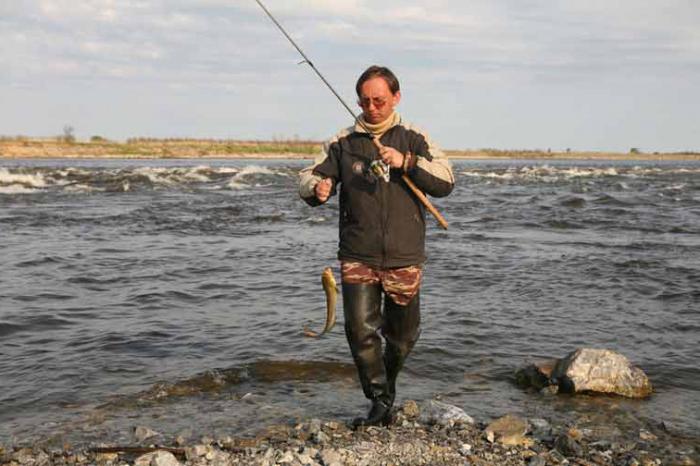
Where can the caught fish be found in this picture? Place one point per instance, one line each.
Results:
(331, 290)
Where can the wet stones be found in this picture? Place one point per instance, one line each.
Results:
(588, 370)
(506, 441)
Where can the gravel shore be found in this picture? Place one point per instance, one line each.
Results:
(412, 439)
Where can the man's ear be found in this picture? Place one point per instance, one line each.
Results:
(397, 98)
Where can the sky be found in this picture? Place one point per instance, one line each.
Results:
(601, 75)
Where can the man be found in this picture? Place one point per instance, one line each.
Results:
(382, 231)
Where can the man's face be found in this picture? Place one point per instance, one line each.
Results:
(376, 100)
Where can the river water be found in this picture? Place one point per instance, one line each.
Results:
(172, 294)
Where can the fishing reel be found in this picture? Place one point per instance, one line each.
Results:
(376, 170)
(380, 169)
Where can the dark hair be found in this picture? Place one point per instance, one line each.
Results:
(376, 71)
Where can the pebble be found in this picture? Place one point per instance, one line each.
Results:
(164, 458)
(287, 457)
(320, 438)
(507, 430)
(540, 428)
(106, 458)
(410, 409)
(144, 460)
(330, 456)
(314, 426)
(196, 451)
(142, 433)
(567, 446)
(23, 456)
(437, 412)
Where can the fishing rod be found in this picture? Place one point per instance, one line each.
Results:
(384, 168)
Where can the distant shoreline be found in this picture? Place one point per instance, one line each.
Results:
(146, 148)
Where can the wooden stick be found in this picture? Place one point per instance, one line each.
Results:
(419, 194)
(426, 202)
(129, 450)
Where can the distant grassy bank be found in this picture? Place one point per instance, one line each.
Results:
(24, 147)
(155, 148)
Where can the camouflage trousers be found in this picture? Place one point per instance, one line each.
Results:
(401, 284)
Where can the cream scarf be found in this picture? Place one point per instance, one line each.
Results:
(378, 129)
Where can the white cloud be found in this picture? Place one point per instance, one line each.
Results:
(60, 10)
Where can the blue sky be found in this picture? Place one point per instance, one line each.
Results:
(526, 74)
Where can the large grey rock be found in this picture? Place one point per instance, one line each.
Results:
(600, 371)
(437, 412)
(587, 370)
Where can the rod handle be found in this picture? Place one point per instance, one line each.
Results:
(426, 202)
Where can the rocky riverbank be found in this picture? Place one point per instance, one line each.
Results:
(432, 434)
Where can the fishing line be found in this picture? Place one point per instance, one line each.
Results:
(310, 63)
(378, 167)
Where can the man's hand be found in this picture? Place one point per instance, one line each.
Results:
(323, 189)
(391, 157)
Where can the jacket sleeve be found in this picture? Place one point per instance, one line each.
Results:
(431, 171)
(326, 165)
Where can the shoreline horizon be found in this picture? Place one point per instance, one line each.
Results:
(151, 148)
(291, 156)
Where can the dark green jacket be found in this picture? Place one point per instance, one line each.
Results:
(382, 224)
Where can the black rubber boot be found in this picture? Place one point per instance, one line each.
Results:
(401, 330)
(363, 320)
(379, 415)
